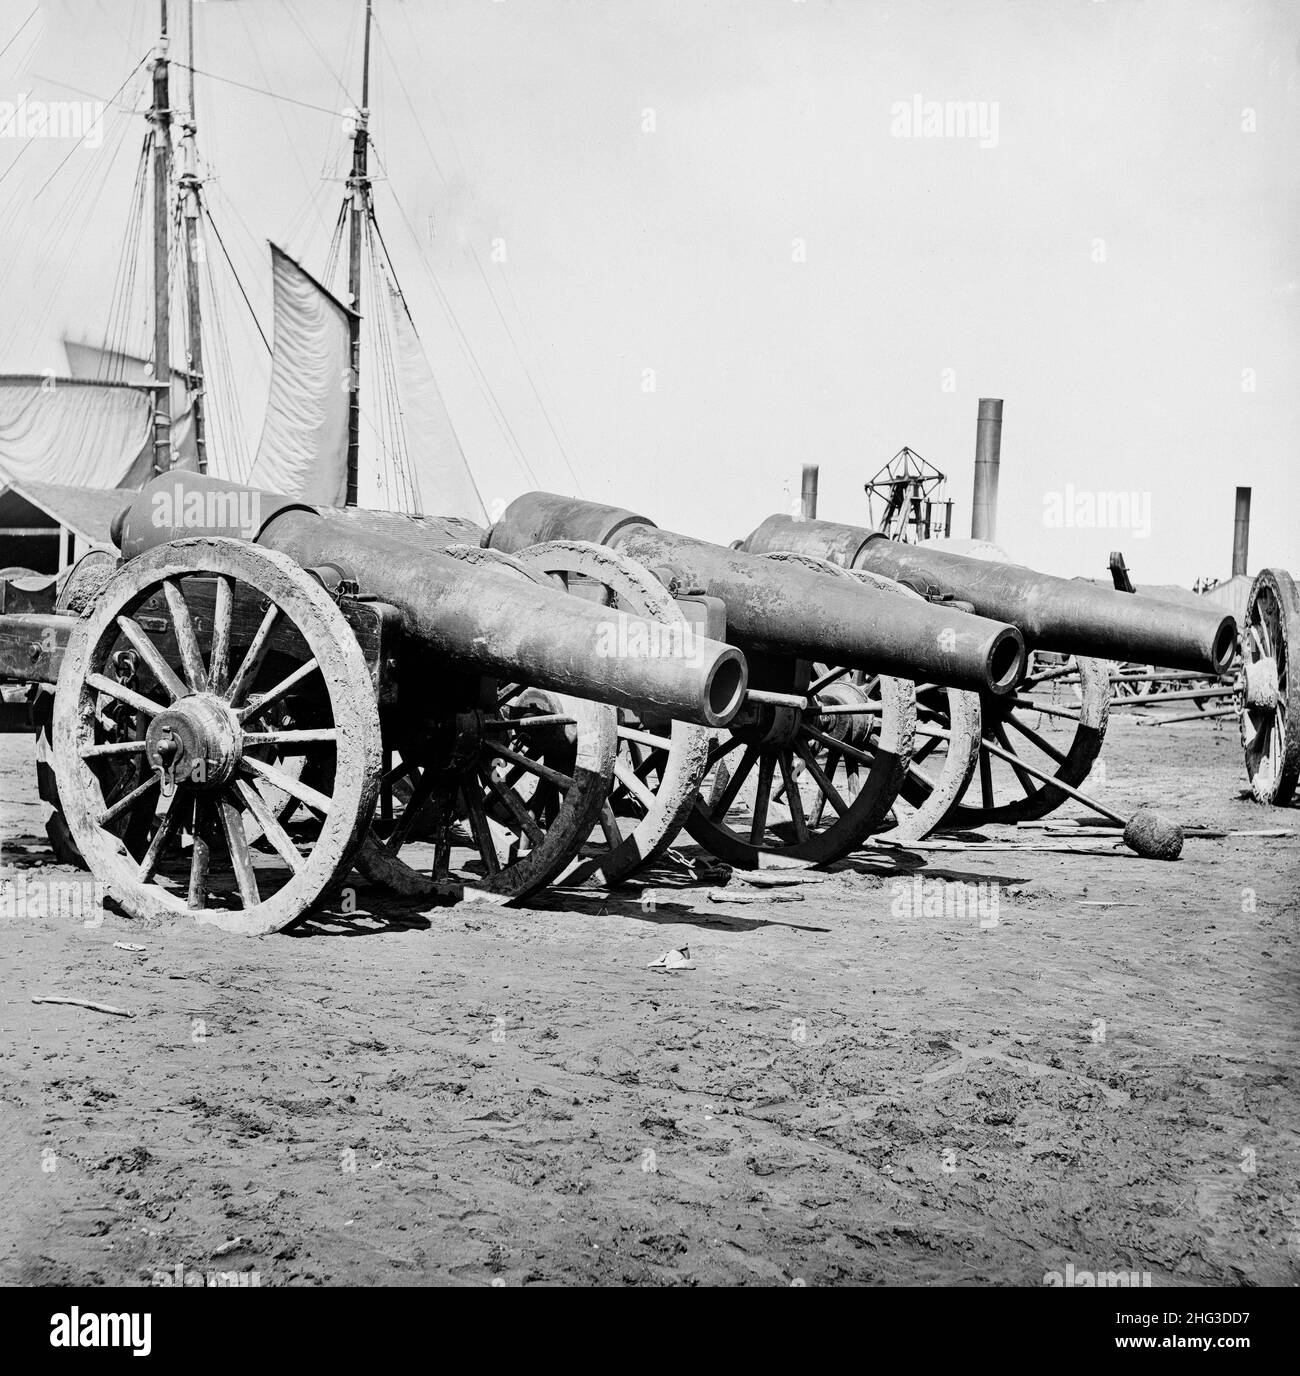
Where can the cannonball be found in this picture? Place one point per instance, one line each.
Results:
(1153, 836)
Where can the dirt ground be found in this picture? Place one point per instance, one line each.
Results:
(871, 1080)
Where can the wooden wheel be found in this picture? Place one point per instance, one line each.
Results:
(1136, 682)
(178, 841)
(1270, 692)
(806, 782)
(941, 765)
(84, 582)
(1053, 724)
(501, 793)
(660, 763)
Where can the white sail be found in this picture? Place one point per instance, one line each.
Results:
(77, 432)
(440, 474)
(93, 362)
(304, 447)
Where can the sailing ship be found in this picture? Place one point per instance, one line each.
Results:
(123, 414)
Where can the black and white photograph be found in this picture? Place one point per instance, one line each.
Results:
(646, 643)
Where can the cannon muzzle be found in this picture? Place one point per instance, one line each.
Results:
(787, 609)
(1068, 615)
(480, 617)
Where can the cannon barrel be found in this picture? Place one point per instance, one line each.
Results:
(482, 618)
(787, 609)
(1069, 615)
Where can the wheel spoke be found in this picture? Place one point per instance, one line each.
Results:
(762, 796)
(415, 804)
(1045, 709)
(835, 743)
(723, 805)
(166, 825)
(219, 656)
(308, 736)
(110, 687)
(831, 676)
(254, 658)
(543, 771)
(609, 825)
(986, 778)
(129, 800)
(392, 775)
(187, 642)
(834, 758)
(529, 722)
(481, 829)
(262, 701)
(626, 733)
(633, 784)
(241, 859)
(201, 855)
(167, 677)
(820, 779)
(718, 751)
(286, 783)
(792, 799)
(852, 779)
(918, 780)
(1045, 746)
(525, 822)
(1027, 782)
(90, 752)
(270, 825)
(923, 752)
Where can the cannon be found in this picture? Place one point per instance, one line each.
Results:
(812, 765)
(236, 697)
(1053, 725)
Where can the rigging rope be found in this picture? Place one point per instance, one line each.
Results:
(260, 90)
(35, 11)
(542, 405)
(476, 370)
(207, 212)
(77, 145)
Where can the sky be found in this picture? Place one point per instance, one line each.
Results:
(662, 253)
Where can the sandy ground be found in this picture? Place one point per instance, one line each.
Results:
(850, 1086)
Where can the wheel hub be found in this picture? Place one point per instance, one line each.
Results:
(1261, 683)
(853, 729)
(767, 726)
(197, 740)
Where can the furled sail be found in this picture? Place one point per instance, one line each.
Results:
(93, 362)
(75, 431)
(440, 475)
(304, 447)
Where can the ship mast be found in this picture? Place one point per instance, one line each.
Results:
(160, 116)
(359, 193)
(189, 186)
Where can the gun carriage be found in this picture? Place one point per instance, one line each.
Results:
(236, 721)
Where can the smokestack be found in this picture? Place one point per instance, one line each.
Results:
(1241, 532)
(808, 495)
(988, 454)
